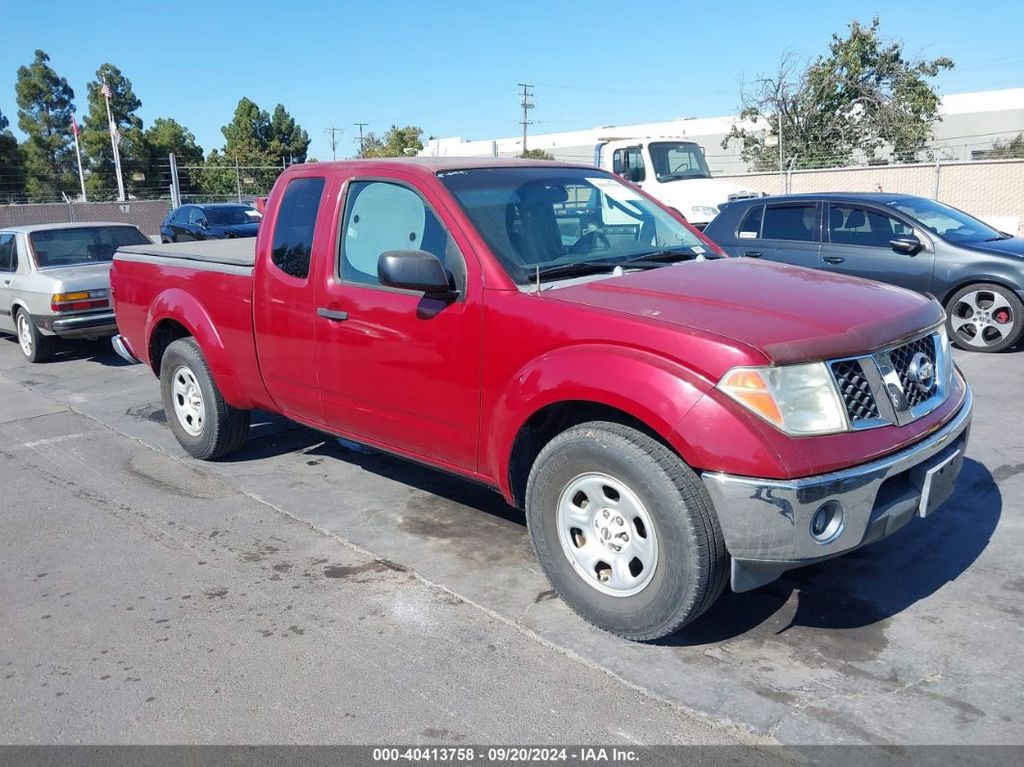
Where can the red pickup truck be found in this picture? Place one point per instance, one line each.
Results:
(669, 419)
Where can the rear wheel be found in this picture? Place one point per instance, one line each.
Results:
(205, 425)
(624, 530)
(34, 345)
(985, 318)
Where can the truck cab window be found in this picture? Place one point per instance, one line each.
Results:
(293, 229)
(381, 216)
(629, 163)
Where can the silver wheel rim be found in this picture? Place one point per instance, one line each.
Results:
(607, 534)
(982, 318)
(24, 335)
(188, 401)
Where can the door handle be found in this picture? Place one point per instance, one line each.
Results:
(833, 259)
(332, 314)
(753, 253)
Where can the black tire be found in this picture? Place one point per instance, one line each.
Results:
(998, 310)
(34, 345)
(221, 429)
(692, 563)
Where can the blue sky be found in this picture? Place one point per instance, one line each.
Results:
(452, 67)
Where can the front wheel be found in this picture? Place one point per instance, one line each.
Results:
(985, 318)
(34, 345)
(624, 530)
(205, 425)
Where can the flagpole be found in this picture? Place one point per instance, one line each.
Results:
(114, 140)
(78, 154)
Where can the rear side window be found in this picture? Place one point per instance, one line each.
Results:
(750, 226)
(789, 222)
(293, 229)
(8, 253)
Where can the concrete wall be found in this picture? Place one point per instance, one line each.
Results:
(145, 214)
(992, 190)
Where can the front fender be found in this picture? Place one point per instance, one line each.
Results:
(179, 306)
(652, 389)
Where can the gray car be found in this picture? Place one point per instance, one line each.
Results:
(976, 271)
(55, 282)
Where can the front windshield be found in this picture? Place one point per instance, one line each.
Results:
(82, 244)
(240, 214)
(536, 218)
(674, 160)
(949, 223)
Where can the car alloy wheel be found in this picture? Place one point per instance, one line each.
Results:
(25, 334)
(983, 318)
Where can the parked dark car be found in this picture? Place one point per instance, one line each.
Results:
(975, 271)
(217, 221)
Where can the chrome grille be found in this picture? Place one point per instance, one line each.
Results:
(893, 386)
(902, 360)
(855, 390)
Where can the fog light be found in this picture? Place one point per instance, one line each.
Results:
(827, 522)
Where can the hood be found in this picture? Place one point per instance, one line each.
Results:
(788, 313)
(68, 279)
(240, 230)
(1014, 246)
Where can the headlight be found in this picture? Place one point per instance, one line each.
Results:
(704, 210)
(800, 400)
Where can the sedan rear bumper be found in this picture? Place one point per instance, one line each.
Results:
(79, 325)
(771, 526)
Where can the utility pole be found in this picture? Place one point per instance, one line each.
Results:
(527, 105)
(361, 126)
(333, 134)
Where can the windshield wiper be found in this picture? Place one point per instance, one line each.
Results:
(576, 269)
(655, 257)
(1002, 236)
(650, 260)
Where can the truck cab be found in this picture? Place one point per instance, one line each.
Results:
(672, 170)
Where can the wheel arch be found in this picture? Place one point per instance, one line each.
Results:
(988, 279)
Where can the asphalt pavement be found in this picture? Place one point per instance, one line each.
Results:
(305, 591)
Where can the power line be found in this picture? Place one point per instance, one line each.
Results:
(361, 139)
(333, 133)
(527, 105)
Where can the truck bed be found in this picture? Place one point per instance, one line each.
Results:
(207, 254)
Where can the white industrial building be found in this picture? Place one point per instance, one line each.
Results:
(971, 123)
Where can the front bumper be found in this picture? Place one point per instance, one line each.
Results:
(78, 325)
(767, 523)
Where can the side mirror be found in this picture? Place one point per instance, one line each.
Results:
(414, 270)
(907, 244)
(204, 224)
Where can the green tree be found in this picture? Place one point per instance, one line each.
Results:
(97, 151)
(536, 154)
(12, 165)
(259, 144)
(1007, 150)
(287, 139)
(44, 116)
(164, 138)
(397, 142)
(865, 95)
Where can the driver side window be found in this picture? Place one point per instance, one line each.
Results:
(196, 216)
(629, 163)
(382, 216)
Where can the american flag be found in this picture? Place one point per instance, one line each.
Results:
(74, 125)
(105, 90)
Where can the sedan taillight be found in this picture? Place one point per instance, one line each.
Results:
(82, 299)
